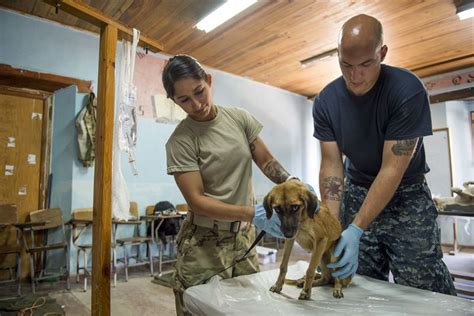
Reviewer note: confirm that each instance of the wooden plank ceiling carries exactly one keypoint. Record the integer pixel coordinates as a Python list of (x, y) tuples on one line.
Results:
[(267, 41)]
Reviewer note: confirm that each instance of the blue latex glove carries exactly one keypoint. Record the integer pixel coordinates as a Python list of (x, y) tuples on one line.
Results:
[(270, 226), (349, 242)]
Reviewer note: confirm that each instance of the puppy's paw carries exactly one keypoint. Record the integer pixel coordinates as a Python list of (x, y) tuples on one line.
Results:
[(276, 288), (305, 295), (300, 282), (337, 293)]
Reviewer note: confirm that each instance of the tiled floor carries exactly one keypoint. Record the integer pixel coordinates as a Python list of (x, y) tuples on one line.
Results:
[(139, 296)]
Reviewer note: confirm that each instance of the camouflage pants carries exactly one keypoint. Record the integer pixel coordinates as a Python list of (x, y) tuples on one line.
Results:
[(403, 239), (203, 252)]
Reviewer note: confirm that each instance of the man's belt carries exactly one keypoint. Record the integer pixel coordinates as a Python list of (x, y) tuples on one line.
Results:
[(206, 222), (413, 180)]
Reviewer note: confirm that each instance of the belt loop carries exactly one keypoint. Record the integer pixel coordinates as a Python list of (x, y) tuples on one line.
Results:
[(235, 228), (190, 217)]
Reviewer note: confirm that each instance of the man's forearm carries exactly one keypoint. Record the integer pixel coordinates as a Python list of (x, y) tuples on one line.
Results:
[(380, 193), (219, 210), (396, 158), (331, 184), (275, 171)]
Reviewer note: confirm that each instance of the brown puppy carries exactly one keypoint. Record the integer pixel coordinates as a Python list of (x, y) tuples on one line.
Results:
[(308, 222)]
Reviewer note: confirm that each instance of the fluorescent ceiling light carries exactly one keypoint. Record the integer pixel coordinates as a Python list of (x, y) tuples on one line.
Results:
[(223, 13), (465, 10), (317, 58), (466, 14)]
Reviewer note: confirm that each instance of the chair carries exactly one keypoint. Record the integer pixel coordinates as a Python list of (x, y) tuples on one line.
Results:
[(183, 208), (43, 223), (80, 222), (10, 244), (136, 240), (158, 223), (77, 228)]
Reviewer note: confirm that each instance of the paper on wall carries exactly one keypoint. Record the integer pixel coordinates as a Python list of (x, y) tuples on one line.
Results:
[(36, 116), (11, 142), (166, 111), (32, 159), (9, 170), (22, 190)]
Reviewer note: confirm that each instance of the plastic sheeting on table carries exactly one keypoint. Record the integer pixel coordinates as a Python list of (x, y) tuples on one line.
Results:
[(250, 295)]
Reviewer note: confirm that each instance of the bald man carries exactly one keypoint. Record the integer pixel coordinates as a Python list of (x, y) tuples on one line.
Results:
[(376, 116)]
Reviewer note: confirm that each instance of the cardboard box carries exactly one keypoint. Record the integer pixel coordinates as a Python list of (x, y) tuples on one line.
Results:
[(266, 255)]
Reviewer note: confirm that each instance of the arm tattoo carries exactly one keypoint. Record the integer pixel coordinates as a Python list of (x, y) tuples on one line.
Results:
[(332, 188), (404, 147), (275, 172)]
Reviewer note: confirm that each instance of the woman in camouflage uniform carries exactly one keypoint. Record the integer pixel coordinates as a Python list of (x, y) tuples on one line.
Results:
[(210, 155)]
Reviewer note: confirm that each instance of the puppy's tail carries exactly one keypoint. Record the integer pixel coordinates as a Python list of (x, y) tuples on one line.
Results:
[(300, 282), (291, 282)]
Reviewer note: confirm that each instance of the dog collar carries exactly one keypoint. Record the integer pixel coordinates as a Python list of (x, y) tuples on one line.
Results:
[(316, 211)]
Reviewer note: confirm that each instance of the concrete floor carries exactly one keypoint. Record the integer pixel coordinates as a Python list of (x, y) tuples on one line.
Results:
[(139, 296)]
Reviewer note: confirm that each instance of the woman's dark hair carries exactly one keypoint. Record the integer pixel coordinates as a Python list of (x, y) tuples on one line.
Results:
[(180, 67)]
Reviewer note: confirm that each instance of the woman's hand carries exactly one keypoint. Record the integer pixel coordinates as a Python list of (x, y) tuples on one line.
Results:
[(270, 226)]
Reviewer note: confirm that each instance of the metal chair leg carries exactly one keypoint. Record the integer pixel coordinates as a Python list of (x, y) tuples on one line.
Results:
[(160, 258), (68, 267), (150, 256), (18, 272), (32, 271), (125, 253), (171, 250), (78, 254), (86, 272), (115, 267)]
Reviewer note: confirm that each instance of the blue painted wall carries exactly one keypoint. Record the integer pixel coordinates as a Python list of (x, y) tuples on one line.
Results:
[(41, 45), (62, 148)]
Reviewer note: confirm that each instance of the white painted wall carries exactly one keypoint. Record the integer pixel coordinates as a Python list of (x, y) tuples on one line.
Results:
[(458, 119), (455, 115), (438, 115), (282, 114)]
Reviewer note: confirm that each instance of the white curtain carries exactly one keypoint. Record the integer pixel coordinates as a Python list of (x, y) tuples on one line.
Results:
[(125, 135)]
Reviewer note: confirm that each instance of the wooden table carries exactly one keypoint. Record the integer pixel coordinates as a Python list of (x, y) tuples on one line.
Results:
[(250, 295)]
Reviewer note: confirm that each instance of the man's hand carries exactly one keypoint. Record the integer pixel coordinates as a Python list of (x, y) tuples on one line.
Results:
[(349, 242), (271, 226)]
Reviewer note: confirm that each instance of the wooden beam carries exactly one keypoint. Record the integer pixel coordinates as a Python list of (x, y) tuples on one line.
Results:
[(453, 64), (21, 78), (102, 218), (453, 95), (110, 31), (94, 16), (27, 93)]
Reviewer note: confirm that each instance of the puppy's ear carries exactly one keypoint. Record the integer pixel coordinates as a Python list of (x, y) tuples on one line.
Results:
[(267, 205), (312, 203)]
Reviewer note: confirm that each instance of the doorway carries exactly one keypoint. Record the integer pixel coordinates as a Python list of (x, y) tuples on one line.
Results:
[(24, 154)]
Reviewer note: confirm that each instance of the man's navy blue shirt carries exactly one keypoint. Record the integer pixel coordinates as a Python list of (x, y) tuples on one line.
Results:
[(396, 108)]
